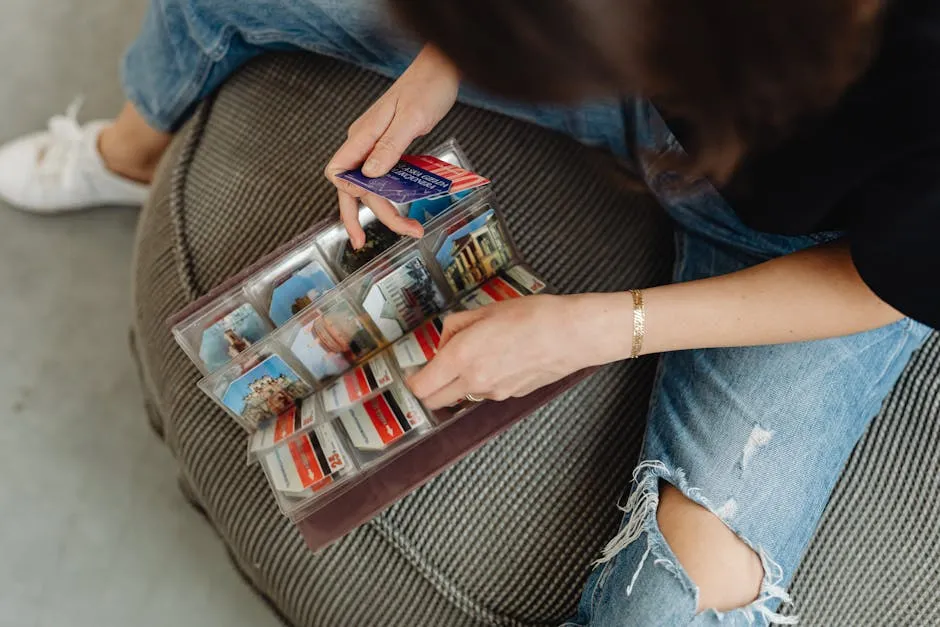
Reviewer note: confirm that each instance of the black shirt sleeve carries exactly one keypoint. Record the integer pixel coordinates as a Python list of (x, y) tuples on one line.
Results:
[(894, 234)]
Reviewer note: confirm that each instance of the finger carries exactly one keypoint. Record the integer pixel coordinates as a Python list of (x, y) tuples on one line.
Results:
[(457, 322), (363, 134), (349, 214), (389, 216), (448, 396), (389, 148), (440, 372)]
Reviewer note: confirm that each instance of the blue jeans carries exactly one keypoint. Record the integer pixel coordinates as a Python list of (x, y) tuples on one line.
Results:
[(757, 435)]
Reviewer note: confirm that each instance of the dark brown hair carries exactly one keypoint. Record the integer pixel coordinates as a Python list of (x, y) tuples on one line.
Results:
[(741, 74)]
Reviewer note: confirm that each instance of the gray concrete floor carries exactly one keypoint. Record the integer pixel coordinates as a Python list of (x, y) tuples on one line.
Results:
[(93, 531)]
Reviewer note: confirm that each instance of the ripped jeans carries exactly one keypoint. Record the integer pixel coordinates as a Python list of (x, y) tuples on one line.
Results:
[(756, 435)]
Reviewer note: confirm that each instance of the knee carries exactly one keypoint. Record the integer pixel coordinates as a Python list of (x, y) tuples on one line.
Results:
[(727, 571)]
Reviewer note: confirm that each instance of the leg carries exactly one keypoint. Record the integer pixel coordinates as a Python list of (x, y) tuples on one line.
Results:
[(742, 448), (186, 49), (130, 147)]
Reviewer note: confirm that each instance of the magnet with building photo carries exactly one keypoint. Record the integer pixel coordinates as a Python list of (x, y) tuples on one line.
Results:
[(402, 299), (473, 251), (229, 335), (298, 290), (331, 340), (265, 391), (380, 422)]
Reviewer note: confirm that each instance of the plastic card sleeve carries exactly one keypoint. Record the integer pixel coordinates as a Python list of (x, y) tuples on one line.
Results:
[(240, 312), (507, 284), (378, 423), (359, 440), (294, 422), (334, 242), (398, 291), (292, 282), (214, 335), (259, 385), (469, 244), (360, 384), (305, 470), (330, 337)]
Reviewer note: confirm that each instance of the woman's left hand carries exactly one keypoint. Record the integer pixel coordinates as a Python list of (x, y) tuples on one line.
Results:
[(506, 349)]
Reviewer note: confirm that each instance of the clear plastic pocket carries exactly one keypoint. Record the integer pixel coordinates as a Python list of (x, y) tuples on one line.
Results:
[(508, 284), (215, 335), (416, 349), (385, 423), (292, 283), (261, 384), (359, 384), (397, 292), (330, 337), (308, 468), (470, 245), (299, 419)]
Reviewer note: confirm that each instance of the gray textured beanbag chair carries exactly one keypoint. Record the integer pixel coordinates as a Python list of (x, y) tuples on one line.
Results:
[(507, 535)]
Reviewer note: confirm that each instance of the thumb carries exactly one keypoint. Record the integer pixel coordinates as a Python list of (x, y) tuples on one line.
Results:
[(392, 144)]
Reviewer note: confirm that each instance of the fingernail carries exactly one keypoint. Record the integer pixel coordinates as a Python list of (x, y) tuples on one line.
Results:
[(371, 168)]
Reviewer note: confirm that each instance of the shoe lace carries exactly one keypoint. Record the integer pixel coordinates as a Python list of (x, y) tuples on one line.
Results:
[(58, 158)]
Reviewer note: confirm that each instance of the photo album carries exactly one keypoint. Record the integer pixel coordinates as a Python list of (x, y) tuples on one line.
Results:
[(310, 349)]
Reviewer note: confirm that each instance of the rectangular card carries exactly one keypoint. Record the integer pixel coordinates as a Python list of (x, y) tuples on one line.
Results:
[(298, 290), (306, 464), (383, 420), (293, 421), (229, 335), (515, 282), (400, 301), (265, 391), (419, 347), (417, 177), (331, 341), (473, 252), (358, 384)]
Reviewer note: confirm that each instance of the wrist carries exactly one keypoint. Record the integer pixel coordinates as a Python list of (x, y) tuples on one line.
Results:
[(432, 57), (601, 326)]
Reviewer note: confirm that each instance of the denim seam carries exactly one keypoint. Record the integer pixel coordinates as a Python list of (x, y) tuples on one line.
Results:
[(188, 92), (254, 40), (906, 336)]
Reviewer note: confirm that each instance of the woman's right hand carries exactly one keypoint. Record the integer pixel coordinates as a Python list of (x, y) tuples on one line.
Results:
[(410, 108)]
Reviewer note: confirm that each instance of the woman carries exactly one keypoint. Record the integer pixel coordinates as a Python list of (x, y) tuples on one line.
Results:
[(796, 147)]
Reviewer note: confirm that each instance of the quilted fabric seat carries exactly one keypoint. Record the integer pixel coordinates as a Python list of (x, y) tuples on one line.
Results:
[(506, 536)]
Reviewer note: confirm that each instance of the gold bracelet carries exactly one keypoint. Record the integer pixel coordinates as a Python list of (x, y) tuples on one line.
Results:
[(639, 323)]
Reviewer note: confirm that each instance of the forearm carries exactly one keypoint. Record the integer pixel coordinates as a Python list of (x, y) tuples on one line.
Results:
[(812, 294)]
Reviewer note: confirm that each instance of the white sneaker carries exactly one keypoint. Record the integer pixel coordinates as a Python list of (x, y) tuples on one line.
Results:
[(61, 170)]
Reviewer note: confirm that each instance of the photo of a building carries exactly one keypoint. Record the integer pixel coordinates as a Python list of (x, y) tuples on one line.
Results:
[(474, 253)]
